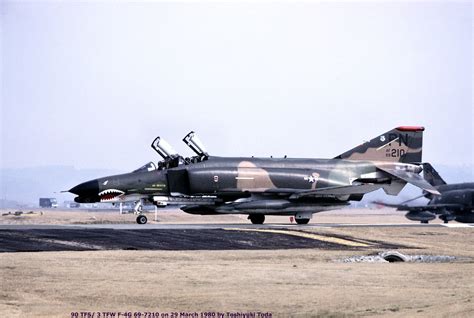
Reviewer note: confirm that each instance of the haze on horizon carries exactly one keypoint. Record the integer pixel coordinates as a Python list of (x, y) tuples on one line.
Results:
[(90, 85)]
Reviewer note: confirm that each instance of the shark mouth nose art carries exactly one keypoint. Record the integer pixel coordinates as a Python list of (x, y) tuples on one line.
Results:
[(110, 194)]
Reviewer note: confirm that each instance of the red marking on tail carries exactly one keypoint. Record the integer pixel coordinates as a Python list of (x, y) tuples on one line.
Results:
[(411, 128)]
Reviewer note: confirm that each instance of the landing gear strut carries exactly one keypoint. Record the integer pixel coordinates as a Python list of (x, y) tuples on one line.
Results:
[(141, 219), (257, 218)]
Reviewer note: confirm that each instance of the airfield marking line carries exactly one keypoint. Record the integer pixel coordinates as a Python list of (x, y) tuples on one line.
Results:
[(458, 225), (328, 239)]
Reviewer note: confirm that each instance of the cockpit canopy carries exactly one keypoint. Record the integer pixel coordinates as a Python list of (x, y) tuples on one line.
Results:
[(171, 158), (163, 148), (193, 142)]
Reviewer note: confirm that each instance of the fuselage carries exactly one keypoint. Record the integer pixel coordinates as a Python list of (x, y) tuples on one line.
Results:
[(224, 175), (455, 186), (461, 194)]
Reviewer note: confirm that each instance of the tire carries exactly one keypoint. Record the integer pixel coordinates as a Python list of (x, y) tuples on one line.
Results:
[(141, 219), (302, 221), (257, 218)]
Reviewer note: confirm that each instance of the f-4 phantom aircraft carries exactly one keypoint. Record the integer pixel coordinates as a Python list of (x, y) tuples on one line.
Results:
[(206, 184), (456, 202)]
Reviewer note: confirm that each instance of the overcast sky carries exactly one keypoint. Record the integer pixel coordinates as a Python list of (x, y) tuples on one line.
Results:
[(91, 84)]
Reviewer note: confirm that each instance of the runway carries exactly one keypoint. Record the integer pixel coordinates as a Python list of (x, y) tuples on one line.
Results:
[(192, 236), (217, 226), (28, 238)]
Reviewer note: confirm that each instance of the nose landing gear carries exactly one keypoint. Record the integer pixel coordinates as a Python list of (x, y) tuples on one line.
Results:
[(141, 219)]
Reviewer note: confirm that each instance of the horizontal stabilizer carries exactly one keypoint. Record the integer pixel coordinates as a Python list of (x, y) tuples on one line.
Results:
[(413, 178)]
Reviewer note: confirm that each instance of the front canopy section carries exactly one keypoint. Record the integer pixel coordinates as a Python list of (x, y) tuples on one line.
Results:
[(163, 148), (170, 157)]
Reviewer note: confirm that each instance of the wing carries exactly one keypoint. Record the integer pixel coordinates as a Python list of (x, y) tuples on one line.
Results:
[(340, 191), (277, 201)]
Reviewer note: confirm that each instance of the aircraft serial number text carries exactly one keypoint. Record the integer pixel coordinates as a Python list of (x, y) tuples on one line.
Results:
[(171, 314)]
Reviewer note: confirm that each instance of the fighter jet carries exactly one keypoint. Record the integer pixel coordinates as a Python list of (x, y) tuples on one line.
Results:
[(456, 201), (206, 184)]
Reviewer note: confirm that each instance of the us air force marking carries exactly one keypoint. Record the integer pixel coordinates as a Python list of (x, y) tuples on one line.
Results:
[(310, 179)]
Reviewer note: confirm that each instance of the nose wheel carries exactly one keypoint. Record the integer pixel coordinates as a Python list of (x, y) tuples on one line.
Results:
[(141, 219)]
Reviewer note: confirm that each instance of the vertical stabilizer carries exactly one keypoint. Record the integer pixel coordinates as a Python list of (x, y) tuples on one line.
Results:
[(402, 144)]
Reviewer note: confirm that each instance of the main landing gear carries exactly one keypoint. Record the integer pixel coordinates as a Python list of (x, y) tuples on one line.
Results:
[(300, 218), (303, 217), (302, 221), (141, 219), (257, 218)]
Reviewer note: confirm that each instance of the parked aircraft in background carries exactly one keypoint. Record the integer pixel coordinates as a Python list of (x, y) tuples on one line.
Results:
[(456, 201)]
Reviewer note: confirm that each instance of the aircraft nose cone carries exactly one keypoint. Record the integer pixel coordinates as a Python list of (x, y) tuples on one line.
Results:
[(86, 188)]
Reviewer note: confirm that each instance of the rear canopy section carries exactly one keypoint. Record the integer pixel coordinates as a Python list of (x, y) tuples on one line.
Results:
[(402, 144)]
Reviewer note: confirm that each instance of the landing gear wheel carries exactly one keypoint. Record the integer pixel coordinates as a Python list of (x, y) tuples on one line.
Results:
[(424, 222), (141, 219), (257, 218), (302, 221)]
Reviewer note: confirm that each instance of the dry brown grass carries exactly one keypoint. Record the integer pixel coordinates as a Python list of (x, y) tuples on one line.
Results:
[(285, 282)]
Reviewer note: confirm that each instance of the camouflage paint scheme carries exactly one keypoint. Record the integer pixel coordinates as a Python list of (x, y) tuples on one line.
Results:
[(280, 186)]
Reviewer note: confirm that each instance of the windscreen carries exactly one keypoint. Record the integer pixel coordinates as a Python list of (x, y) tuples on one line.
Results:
[(146, 167)]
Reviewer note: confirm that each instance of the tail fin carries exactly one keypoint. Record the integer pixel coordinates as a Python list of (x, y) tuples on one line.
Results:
[(402, 144), (432, 176)]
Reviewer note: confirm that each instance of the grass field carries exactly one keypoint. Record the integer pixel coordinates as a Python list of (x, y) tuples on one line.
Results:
[(299, 282)]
